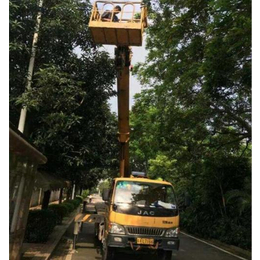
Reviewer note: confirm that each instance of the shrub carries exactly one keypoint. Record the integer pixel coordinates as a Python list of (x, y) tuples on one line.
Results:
[(196, 220), (40, 224), (60, 210), (75, 203), (80, 198), (69, 206), (85, 194), (71, 202), (78, 201)]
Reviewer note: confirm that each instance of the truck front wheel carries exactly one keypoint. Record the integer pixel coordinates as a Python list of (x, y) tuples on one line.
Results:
[(164, 255), (107, 252)]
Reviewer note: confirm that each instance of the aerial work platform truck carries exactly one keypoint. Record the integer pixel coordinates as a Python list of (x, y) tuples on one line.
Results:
[(124, 31), (141, 214)]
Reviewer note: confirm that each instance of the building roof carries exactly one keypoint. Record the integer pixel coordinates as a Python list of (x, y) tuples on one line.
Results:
[(49, 182), (22, 147)]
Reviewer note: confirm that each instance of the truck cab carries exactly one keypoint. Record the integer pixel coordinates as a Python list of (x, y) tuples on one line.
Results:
[(141, 214)]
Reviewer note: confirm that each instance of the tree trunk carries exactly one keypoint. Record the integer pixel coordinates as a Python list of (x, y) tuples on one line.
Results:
[(223, 199), (76, 191), (69, 193), (80, 191), (61, 193), (73, 191), (46, 199), (40, 197)]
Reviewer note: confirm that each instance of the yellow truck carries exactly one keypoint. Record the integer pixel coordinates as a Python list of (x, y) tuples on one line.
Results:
[(141, 215)]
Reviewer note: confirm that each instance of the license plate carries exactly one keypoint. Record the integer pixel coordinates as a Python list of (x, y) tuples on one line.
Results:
[(145, 241)]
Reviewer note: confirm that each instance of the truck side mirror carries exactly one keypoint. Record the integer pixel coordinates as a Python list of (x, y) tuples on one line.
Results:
[(105, 194)]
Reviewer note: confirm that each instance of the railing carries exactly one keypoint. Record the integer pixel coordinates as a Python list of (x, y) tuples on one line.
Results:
[(131, 12)]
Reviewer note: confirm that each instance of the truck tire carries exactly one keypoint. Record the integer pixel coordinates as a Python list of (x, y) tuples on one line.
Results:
[(168, 255), (107, 252), (164, 255)]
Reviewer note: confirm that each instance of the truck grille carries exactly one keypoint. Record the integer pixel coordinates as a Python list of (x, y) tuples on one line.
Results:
[(145, 231)]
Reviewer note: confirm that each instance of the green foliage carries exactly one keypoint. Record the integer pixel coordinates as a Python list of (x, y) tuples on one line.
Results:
[(72, 204), (93, 190), (191, 124), (60, 210), (240, 198), (137, 16), (75, 202), (227, 230), (103, 185), (85, 193), (79, 198), (40, 224), (161, 166), (144, 135), (187, 42), (69, 118), (69, 206)]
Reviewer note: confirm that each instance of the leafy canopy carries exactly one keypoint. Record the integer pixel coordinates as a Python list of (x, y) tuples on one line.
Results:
[(69, 118), (191, 124)]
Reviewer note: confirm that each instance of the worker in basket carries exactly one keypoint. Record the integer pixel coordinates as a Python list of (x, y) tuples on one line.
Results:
[(106, 16)]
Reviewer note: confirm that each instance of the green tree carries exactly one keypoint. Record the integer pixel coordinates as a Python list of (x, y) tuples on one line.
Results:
[(192, 123), (143, 143), (103, 185), (199, 63), (69, 118)]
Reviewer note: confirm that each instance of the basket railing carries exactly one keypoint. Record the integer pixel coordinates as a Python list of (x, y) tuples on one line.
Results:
[(128, 13)]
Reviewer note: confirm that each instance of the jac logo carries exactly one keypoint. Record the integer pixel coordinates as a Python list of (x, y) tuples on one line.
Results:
[(145, 213)]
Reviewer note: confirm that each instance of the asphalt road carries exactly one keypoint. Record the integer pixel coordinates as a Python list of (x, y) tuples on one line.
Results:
[(88, 248)]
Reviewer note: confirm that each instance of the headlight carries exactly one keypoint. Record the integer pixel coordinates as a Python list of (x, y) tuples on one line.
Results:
[(173, 232), (116, 229)]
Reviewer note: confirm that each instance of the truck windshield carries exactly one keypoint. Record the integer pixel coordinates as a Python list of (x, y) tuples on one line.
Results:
[(144, 194)]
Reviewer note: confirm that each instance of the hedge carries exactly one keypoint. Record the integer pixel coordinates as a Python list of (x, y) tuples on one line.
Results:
[(80, 198), (60, 210), (75, 202), (40, 224), (72, 204), (69, 206)]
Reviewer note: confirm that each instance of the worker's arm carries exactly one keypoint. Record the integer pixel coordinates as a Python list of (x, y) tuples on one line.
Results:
[(106, 16)]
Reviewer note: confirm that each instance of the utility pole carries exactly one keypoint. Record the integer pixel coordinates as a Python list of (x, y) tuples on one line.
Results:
[(24, 112), (31, 66)]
